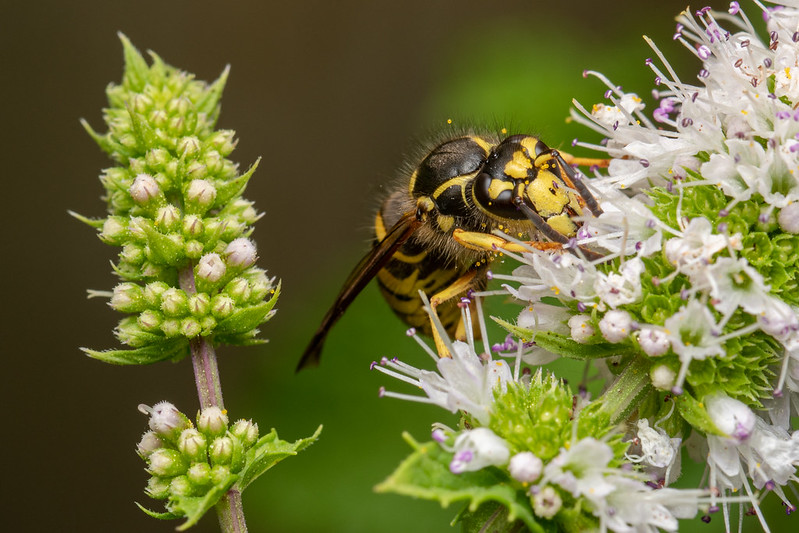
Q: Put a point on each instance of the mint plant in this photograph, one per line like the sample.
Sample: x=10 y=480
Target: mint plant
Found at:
x=189 y=282
x=690 y=320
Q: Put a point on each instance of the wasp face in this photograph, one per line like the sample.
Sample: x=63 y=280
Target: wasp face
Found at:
x=523 y=169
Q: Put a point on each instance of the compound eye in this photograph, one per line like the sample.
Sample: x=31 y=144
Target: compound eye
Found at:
x=495 y=196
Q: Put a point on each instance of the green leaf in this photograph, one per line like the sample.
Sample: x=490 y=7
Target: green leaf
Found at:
x=194 y=507
x=142 y=131
x=490 y=517
x=156 y=514
x=96 y=223
x=694 y=412
x=629 y=390
x=247 y=318
x=564 y=345
x=227 y=191
x=209 y=103
x=174 y=349
x=103 y=141
x=164 y=249
x=136 y=70
x=267 y=452
x=425 y=474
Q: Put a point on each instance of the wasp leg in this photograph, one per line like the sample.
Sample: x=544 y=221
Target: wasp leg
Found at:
x=585 y=161
x=460 y=286
x=485 y=241
x=577 y=182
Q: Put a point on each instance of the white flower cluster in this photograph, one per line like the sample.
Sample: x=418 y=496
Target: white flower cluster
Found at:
x=736 y=131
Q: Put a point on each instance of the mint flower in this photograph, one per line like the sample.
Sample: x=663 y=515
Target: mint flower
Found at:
x=690 y=315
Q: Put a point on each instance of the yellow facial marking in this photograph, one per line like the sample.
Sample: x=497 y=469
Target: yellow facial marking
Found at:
x=497 y=187
x=519 y=166
x=548 y=194
x=563 y=225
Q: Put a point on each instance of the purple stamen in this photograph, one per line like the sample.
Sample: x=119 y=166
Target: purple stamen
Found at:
x=581 y=306
x=410 y=332
x=706 y=519
x=734 y=8
x=644 y=162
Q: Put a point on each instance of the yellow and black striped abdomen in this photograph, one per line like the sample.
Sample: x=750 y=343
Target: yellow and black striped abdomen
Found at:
x=419 y=267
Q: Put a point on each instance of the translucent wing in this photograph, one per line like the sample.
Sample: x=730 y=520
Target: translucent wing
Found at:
x=361 y=275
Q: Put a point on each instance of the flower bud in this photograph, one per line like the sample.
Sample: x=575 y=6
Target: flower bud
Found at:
x=200 y=196
x=662 y=377
x=132 y=253
x=153 y=292
x=144 y=189
x=199 y=474
x=158 y=118
x=158 y=488
x=222 y=306
x=546 y=502
x=207 y=323
x=260 y=285
x=196 y=170
x=167 y=218
x=653 y=341
x=192 y=444
x=115 y=230
x=165 y=462
x=171 y=327
x=616 y=325
x=221 y=451
x=211 y=268
x=246 y=431
x=238 y=289
x=223 y=141
x=219 y=474
x=180 y=486
x=156 y=158
x=150 y=320
x=213 y=161
x=581 y=328
x=192 y=226
x=129 y=332
x=199 y=304
x=128 y=298
x=190 y=328
x=240 y=253
x=525 y=467
x=212 y=421
x=165 y=419
x=149 y=442
x=189 y=145
x=174 y=302
x=194 y=249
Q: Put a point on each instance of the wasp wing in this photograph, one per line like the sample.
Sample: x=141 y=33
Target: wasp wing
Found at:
x=361 y=275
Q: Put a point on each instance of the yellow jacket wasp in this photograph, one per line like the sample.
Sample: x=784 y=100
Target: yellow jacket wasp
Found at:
x=433 y=234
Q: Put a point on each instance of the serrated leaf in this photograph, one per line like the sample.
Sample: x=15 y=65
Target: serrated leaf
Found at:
x=239 y=340
x=234 y=187
x=247 y=318
x=563 y=345
x=694 y=412
x=171 y=349
x=425 y=474
x=267 y=452
x=194 y=507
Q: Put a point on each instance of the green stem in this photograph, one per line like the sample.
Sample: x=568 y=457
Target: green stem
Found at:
x=229 y=510
x=627 y=392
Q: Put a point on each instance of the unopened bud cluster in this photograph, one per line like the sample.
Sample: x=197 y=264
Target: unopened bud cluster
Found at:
x=176 y=212
x=188 y=461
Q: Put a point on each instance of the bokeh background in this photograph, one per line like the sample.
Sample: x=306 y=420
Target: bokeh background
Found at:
x=331 y=95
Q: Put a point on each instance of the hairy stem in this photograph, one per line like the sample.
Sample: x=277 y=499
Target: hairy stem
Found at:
x=627 y=392
x=229 y=510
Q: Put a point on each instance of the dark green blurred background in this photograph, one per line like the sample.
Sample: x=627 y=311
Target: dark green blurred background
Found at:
x=331 y=95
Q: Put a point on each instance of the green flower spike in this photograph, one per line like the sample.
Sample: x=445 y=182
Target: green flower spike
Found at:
x=188 y=280
x=176 y=212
